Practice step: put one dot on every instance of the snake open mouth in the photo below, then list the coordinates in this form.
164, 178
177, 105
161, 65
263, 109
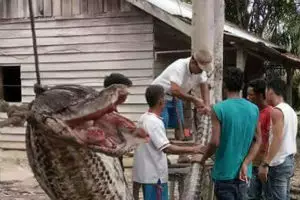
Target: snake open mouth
89, 118
111, 133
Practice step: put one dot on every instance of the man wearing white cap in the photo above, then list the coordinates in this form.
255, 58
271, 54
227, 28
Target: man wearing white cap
177, 80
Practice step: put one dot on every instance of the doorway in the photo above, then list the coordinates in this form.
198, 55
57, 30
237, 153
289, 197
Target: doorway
11, 84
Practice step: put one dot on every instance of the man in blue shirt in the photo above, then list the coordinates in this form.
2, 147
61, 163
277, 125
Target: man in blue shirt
235, 139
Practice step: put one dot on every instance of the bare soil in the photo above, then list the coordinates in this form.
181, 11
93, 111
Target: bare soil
17, 181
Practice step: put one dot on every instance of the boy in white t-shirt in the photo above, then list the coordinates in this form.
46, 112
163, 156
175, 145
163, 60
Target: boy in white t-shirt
150, 168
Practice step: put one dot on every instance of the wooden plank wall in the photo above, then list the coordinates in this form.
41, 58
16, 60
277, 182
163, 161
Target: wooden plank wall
79, 42
83, 51
10, 9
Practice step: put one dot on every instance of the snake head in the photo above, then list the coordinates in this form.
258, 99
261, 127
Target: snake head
87, 117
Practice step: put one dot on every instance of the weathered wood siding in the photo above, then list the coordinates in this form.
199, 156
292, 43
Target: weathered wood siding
79, 42
10, 9
83, 50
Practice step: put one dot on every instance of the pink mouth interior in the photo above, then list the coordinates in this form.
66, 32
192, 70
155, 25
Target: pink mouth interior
96, 115
97, 137
104, 128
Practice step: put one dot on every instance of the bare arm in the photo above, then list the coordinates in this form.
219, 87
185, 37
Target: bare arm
177, 92
205, 93
175, 149
215, 138
255, 146
277, 130
243, 175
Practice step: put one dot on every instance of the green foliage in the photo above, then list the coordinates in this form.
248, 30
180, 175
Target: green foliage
274, 20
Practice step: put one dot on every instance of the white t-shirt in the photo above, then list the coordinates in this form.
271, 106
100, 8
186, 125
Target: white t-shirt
290, 127
179, 73
150, 162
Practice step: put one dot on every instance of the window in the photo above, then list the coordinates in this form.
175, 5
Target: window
10, 89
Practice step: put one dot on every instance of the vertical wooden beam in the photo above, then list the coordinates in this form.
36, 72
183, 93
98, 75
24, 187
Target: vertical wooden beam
202, 39
125, 6
2, 9
48, 7
67, 8
34, 43
40, 8
241, 58
35, 8
289, 84
115, 5
84, 7
76, 4
107, 5
26, 9
93, 7
203, 26
21, 9
217, 86
13, 9
100, 6
56, 6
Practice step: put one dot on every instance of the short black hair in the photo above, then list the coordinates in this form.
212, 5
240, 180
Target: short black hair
117, 78
153, 94
259, 86
278, 86
233, 79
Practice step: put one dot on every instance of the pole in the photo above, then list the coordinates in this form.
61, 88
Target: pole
36, 59
289, 84
202, 39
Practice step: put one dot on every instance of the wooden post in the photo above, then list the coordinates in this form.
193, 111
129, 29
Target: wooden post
203, 26
241, 61
202, 39
240, 58
216, 91
289, 84
34, 44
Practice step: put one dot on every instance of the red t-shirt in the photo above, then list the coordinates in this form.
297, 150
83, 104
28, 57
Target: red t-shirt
265, 125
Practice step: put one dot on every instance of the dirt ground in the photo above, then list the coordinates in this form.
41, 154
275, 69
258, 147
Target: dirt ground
18, 183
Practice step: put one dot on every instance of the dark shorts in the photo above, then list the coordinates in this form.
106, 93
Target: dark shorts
231, 190
150, 191
170, 114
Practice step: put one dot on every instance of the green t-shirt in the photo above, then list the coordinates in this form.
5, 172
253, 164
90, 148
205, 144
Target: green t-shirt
238, 118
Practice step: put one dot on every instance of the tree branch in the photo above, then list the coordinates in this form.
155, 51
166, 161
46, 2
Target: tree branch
239, 15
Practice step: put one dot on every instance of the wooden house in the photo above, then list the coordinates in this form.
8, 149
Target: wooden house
82, 41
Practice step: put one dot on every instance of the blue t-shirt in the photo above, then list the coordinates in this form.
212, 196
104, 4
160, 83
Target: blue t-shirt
238, 118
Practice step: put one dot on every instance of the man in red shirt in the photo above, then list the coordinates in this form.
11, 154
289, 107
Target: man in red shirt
256, 94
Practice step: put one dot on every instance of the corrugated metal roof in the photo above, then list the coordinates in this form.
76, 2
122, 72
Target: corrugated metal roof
178, 8
181, 16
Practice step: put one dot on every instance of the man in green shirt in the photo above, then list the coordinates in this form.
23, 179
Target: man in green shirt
235, 139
